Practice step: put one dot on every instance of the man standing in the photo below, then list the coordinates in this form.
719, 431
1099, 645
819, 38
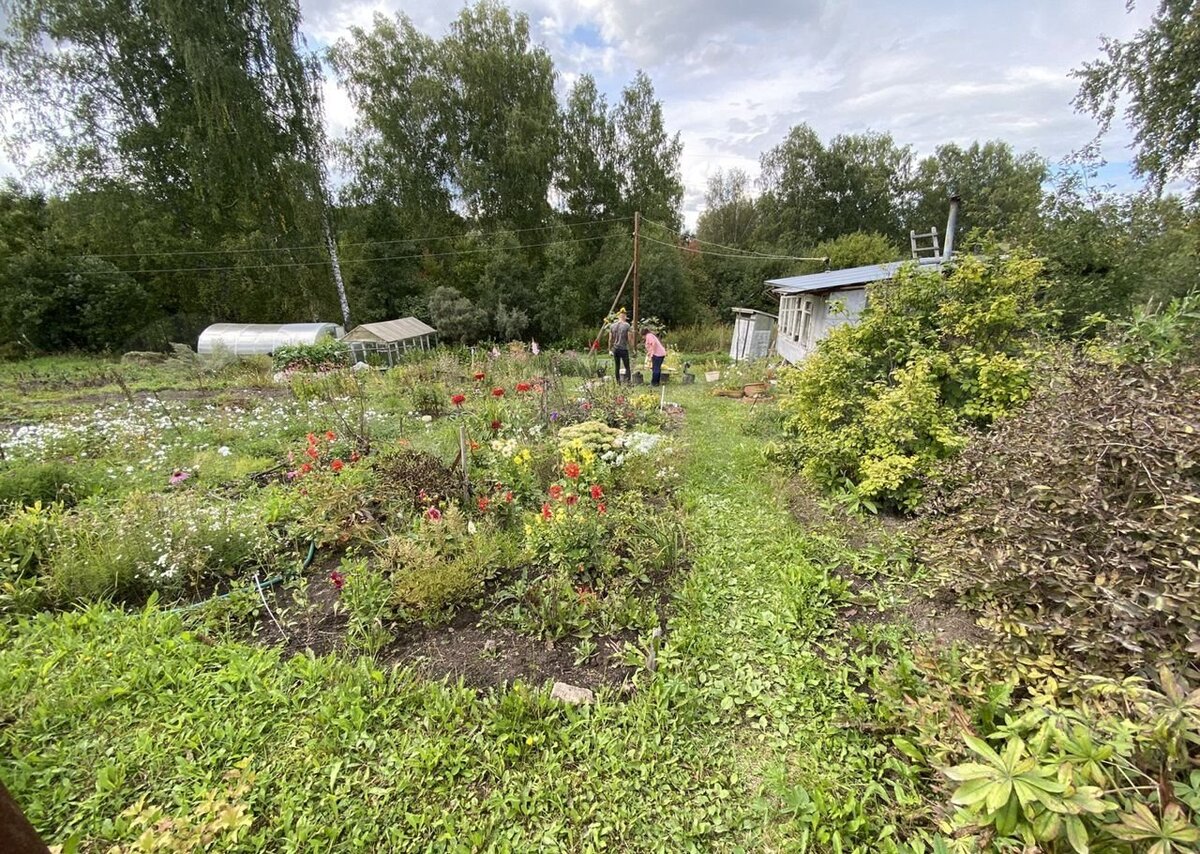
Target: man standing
618, 345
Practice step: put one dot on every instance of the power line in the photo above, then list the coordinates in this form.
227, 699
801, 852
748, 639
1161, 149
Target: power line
750, 253
743, 257
291, 264
348, 245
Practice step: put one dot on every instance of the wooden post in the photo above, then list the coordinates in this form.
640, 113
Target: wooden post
633, 329
462, 456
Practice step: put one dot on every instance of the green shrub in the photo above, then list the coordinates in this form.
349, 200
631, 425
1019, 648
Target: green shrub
322, 356
871, 413
148, 542
27, 483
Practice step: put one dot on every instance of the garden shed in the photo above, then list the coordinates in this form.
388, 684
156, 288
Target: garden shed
252, 339
810, 306
753, 331
390, 339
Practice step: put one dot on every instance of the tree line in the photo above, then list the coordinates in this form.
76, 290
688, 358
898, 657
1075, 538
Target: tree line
183, 165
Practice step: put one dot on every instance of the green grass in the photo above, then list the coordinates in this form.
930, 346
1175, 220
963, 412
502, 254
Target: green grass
750, 735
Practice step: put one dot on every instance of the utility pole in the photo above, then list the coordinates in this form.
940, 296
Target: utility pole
633, 330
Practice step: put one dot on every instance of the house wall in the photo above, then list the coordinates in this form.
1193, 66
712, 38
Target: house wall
798, 336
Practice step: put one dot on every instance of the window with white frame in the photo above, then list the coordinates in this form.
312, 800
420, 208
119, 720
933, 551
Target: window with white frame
796, 318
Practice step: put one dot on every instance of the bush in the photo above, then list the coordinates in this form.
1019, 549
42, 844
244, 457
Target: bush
1079, 517
27, 483
881, 402
328, 354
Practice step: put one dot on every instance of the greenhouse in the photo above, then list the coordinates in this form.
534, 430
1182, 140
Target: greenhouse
390, 339
251, 339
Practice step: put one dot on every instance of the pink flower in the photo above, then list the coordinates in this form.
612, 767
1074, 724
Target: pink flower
179, 476
433, 514
339, 580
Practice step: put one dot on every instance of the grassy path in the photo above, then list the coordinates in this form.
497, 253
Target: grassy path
744, 739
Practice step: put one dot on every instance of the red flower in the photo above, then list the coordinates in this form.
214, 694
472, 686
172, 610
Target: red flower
483, 503
601, 507
547, 513
523, 387
571, 470
572, 500
586, 407
330, 436
496, 424
312, 439
497, 392
339, 580
305, 469
584, 592
337, 465
478, 375
311, 451
596, 344
354, 457
556, 492
473, 445
433, 514
597, 492
508, 497
458, 399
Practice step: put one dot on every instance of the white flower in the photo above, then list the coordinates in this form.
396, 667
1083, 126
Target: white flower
428, 419
224, 451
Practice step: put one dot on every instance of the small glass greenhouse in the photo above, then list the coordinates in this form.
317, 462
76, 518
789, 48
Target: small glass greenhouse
251, 339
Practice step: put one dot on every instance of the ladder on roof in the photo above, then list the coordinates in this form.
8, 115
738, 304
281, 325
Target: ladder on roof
925, 250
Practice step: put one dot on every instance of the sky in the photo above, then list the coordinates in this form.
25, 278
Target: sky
734, 77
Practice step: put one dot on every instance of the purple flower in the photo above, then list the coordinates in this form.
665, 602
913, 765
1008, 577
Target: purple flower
554, 415
179, 476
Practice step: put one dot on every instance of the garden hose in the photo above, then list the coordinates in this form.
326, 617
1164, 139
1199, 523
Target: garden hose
270, 582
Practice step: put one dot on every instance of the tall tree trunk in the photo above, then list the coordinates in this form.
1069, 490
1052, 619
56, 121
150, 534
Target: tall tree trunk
335, 264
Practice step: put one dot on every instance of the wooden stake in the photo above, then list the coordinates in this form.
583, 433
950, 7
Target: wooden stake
462, 456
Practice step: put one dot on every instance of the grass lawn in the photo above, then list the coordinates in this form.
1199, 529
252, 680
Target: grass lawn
747, 730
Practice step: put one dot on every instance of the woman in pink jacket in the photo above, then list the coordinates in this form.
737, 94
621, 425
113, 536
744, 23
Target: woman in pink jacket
657, 352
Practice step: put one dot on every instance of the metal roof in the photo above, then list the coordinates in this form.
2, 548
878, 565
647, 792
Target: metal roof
739, 310
400, 329
849, 277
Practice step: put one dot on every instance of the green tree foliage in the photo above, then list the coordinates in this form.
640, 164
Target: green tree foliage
1158, 73
589, 175
855, 250
456, 317
648, 155
813, 192
871, 413
1001, 191
730, 216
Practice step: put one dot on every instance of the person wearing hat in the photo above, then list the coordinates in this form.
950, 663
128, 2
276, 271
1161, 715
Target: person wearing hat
618, 345
657, 352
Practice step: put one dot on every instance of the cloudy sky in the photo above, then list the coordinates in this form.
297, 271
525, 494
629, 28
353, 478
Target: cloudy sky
735, 76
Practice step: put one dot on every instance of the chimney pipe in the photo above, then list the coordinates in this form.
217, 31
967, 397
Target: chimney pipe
951, 228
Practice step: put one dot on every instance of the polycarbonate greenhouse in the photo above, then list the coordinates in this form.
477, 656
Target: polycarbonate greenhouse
251, 339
